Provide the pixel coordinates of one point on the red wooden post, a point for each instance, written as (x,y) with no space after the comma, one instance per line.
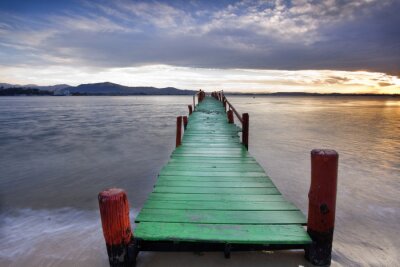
(230,116)
(245,130)
(178,131)
(114,212)
(190,109)
(185,122)
(322,205)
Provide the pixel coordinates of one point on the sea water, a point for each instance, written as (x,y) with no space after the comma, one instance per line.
(57,153)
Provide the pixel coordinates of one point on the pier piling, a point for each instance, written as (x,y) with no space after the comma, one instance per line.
(322,205)
(114,212)
(230,116)
(185,122)
(178,131)
(245,133)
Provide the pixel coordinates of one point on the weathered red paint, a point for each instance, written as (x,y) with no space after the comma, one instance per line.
(114,212)
(322,205)
(190,109)
(229,114)
(178,131)
(185,122)
(245,130)
(322,195)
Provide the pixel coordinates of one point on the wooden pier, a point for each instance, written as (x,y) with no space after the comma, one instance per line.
(212,195)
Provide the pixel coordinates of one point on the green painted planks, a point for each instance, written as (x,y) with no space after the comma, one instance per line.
(211,155)
(195,145)
(215,197)
(190,167)
(212,173)
(221,216)
(207,142)
(214,179)
(214,165)
(215,149)
(234,234)
(220,152)
(218,205)
(210,165)
(214,184)
(212,160)
(217,190)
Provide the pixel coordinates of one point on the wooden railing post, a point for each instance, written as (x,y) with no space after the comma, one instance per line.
(322,205)
(178,131)
(224,101)
(230,116)
(185,122)
(114,212)
(245,130)
(190,109)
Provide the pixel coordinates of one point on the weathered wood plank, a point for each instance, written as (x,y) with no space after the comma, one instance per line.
(215,197)
(213,168)
(211,160)
(218,205)
(225,233)
(217,190)
(212,173)
(214,184)
(213,179)
(221,216)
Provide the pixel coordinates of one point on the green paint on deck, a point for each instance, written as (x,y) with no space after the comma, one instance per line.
(213,190)
(223,233)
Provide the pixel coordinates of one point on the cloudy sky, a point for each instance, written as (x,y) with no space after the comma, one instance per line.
(298,45)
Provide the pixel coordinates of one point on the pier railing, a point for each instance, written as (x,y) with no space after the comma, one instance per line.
(243,119)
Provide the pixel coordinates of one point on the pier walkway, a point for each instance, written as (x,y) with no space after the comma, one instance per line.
(213,195)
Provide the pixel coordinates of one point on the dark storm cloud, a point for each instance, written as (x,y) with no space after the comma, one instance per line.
(303,34)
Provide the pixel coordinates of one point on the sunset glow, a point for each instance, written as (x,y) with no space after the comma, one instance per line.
(230,80)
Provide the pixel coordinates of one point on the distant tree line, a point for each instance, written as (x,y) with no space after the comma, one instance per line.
(23,91)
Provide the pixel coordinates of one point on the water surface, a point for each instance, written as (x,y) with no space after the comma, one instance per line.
(57,153)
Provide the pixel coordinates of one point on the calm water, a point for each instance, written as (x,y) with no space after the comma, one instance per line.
(57,153)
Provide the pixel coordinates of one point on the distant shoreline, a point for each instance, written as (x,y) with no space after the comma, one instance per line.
(113,89)
(176,92)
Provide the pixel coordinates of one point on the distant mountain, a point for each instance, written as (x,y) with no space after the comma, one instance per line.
(34,86)
(19,91)
(7,85)
(107,88)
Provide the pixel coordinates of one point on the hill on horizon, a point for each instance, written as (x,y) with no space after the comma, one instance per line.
(103,88)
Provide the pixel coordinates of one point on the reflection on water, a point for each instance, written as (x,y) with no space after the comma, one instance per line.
(57,153)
